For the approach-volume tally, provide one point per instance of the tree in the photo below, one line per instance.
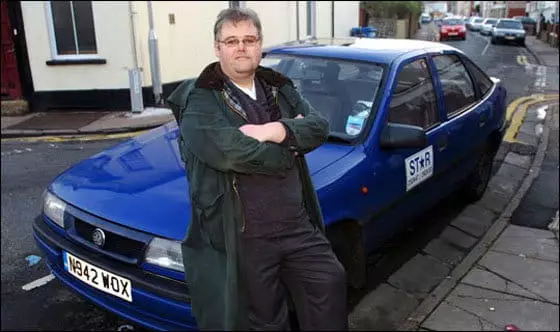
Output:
(391, 9)
(477, 9)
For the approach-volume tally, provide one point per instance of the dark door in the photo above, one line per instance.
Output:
(11, 85)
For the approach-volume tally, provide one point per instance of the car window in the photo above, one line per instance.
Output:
(478, 20)
(456, 84)
(491, 21)
(413, 99)
(343, 91)
(452, 22)
(480, 78)
(509, 25)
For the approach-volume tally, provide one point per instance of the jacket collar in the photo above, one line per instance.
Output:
(212, 77)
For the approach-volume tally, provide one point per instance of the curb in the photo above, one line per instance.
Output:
(432, 301)
(535, 55)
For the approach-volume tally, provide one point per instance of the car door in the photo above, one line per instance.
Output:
(465, 115)
(406, 179)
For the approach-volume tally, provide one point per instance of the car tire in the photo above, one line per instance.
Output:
(493, 41)
(522, 43)
(477, 181)
(346, 240)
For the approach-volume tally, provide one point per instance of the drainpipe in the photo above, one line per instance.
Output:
(154, 57)
(311, 19)
(332, 19)
(134, 77)
(297, 20)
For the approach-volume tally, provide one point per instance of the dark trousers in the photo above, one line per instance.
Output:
(300, 264)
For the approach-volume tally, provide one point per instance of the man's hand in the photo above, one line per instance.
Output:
(258, 132)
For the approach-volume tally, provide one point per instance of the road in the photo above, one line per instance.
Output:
(27, 168)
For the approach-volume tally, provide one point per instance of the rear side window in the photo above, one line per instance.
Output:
(414, 98)
(456, 84)
(480, 78)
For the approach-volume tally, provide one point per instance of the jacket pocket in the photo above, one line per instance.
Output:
(210, 216)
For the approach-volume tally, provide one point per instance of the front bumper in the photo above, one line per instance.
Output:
(448, 35)
(158, 303)
(514, 39)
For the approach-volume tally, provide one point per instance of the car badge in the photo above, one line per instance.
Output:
(98, 237)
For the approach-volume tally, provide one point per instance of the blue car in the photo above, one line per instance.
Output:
(410, 123)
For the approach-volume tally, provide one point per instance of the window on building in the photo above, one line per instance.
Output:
(72, 27)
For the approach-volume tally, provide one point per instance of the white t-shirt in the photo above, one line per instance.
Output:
(250, 92)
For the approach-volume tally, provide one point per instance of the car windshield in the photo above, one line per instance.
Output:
(509, 25)
(478, 20)
(491, 21)
(342, 91)
(452, 22)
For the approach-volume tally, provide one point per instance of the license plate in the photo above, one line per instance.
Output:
(510, 37)
(452, 33)
(96, 277)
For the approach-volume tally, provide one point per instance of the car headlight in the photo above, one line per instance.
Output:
(165, 253)
(53, 208)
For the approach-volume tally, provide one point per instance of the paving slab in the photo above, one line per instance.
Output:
(419, 275)
(450, 318)
(457, 238)
(518, 160)
(486, 279)
(475, 226)
(537, 276)
(444, 252)
(528, 242)
(502, 309)
(382, 310)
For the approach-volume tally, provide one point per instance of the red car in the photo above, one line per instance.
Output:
(452, 28)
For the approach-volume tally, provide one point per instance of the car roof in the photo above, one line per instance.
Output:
(380, 50)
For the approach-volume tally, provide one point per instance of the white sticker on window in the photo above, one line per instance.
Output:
(354, 124)
(419, 167)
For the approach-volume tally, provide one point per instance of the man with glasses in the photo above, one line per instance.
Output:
(256, 239)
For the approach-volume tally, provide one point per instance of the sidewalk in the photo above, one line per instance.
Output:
(545, 54)
(83, 123)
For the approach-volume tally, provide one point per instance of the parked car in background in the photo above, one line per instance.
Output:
(509, 31)
(425, 18)
(529, 24)
(410, 122)
(452, 28)
(475, 23)
(487, 25)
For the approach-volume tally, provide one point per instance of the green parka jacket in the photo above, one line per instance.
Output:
(214, 151)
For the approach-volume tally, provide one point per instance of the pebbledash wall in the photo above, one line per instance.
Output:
(71, 71)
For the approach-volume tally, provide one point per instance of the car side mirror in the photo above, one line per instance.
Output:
(401, 136)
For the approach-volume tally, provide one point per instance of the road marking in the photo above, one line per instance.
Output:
(486, 48)
(54, 139)
(522, 60)
(519, 115)
(38, 283)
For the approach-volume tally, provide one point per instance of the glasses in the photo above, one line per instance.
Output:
(234, 42)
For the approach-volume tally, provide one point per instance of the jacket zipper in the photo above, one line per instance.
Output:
(243, 226)
(234, 182)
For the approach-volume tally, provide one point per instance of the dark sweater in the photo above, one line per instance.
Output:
(272, 204)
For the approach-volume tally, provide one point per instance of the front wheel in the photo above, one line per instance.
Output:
(477, 181)
(493, 41)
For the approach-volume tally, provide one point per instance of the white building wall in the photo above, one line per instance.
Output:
(113, 44)
(185, 47)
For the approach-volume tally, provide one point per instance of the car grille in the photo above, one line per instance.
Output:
(114, 243)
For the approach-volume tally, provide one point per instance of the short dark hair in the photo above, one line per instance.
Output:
(236, 15)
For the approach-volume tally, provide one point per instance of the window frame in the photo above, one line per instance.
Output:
(477, 97)
(435, 85)
(52, 38)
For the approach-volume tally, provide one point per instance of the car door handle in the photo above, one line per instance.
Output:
(483, 119)
(442, 143)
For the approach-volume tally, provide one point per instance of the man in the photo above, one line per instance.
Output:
(256, 235)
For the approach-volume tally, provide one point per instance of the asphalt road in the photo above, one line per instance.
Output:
(27, 168)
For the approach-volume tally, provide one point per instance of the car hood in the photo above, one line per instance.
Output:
(141, 182)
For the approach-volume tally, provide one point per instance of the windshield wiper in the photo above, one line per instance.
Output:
(334, 137)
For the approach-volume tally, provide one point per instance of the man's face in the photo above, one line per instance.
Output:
(238, 48)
